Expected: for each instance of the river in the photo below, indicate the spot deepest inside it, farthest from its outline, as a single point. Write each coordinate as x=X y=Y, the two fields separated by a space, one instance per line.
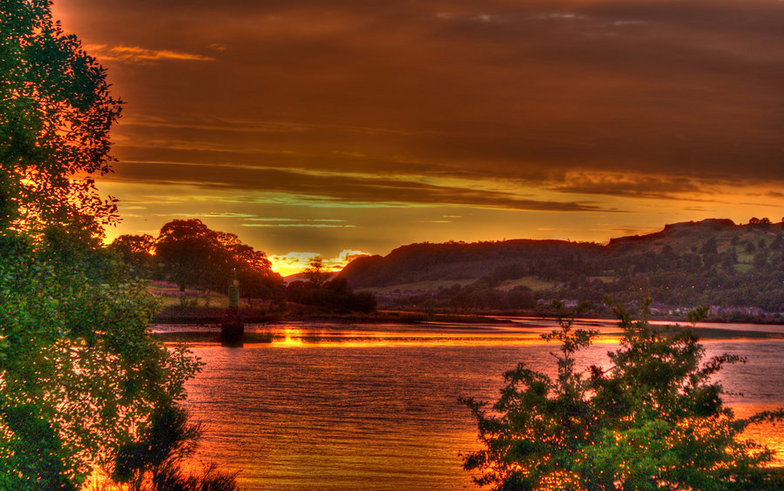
x=375 y=407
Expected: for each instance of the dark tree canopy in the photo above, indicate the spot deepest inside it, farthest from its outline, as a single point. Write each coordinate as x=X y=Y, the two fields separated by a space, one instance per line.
x=332 y=295
x=55 y=117
x=192 y=255
x=188 y=251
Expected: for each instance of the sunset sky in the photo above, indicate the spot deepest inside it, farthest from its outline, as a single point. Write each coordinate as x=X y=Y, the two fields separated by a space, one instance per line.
x=339 y=127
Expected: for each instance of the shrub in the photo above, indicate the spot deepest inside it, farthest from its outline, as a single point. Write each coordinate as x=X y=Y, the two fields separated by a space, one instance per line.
x=653 y=419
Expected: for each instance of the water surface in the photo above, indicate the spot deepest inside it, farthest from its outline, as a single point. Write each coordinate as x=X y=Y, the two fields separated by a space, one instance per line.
x=375 y=407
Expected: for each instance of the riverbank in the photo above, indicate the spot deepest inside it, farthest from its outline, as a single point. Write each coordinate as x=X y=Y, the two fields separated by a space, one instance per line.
x=214 y=315
x=177 y=314
x=312 y=331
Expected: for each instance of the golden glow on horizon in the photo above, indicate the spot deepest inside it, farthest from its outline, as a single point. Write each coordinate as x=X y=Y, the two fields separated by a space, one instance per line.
x=298 y=262
x=146 y=207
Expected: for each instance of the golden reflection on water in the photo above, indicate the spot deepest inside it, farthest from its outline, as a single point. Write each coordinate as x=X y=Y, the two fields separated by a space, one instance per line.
x=291 y=337
x=768 y=434
x=299 y=337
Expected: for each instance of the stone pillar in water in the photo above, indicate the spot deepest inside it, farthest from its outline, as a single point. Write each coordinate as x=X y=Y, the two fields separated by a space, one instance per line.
x=232 y=328
x=234 y=294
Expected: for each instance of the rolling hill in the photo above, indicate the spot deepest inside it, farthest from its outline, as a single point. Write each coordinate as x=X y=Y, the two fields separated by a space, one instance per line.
x=738 y=269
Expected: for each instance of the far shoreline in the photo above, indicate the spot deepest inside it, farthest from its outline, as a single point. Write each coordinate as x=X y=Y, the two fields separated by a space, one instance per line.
x=206 y=328
x=214 y=315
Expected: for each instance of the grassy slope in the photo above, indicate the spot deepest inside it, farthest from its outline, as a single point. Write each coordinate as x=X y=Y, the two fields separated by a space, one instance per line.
x=443 y=265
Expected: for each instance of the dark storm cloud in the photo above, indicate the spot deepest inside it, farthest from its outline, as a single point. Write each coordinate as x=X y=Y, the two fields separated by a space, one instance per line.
x=347 y=188
x=528 y=91
x=637 y=187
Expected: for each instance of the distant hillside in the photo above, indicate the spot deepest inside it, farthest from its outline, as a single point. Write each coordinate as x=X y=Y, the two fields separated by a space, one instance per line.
x=454 y=261
x=737 y=268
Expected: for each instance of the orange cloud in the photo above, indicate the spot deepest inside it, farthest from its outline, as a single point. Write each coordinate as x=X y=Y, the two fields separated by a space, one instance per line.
x=136 y=54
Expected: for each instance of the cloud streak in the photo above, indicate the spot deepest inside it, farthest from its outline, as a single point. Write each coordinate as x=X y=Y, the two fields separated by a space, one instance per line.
x=338 y=187
x=509 y=88
x=136 y=54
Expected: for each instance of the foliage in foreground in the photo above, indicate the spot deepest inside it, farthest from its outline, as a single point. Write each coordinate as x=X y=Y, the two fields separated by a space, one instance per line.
x=651 y=418
x=56 y=112
x=82 y=384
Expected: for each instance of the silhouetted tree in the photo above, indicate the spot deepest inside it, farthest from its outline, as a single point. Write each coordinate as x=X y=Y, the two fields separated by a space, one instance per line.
x=709 y=246
x=191 y=254
x=187 y=251
x=154 y=460
x=333 y=295
x=315 y=272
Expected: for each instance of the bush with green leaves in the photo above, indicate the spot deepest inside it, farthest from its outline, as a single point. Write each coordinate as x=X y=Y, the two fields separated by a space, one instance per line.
x=653 y=418
x=79 y=374
x=56 y=112
x=83 y=385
